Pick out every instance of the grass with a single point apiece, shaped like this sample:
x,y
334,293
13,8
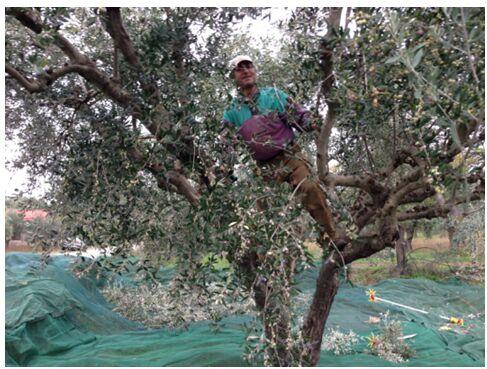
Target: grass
x,y
430,258
368,274
435,263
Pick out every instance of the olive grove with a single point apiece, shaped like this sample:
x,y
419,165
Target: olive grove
x,y
120,110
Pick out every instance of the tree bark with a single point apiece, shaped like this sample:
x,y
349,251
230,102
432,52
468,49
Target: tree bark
x,y
314,325
326,66
454,215
403,247
409,237
277,323
401,253
273,306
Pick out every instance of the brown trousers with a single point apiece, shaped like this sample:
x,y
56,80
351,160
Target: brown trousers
x,y
292,166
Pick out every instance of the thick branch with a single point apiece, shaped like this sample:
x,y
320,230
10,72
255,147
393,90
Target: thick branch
x,y
80,64
116,29
184,187
402,156
90,73
33,22
28,84
322,145
83,66
439,210
27,18
418,195
427,213
326,64
366,182
429,191
71,51
104,83
397,196
362,248
166,178
40,83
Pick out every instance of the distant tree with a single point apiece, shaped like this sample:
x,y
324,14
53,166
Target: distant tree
x,y
45,234
21,202
14,226
403,247
469,228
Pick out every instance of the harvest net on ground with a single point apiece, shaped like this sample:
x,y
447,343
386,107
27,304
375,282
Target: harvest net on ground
x,y
53,318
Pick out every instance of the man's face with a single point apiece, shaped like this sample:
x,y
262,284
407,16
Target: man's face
x,y
245,74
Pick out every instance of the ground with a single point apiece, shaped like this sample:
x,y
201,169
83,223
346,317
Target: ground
x,y
430,258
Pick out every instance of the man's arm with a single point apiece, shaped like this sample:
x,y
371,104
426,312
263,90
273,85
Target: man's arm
x,y
295,114
299,117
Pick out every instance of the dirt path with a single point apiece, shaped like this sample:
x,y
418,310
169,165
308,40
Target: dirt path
x,y
437,243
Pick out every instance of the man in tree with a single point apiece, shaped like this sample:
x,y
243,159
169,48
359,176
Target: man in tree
x,y
265,118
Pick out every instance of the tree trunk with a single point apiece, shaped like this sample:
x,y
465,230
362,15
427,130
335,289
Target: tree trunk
x,y
403,247
273,304
17,234
473,249
451,237
409,237
314,325
274,308
401,253
453,219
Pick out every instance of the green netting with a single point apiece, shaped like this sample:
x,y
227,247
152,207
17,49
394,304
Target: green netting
x,y
55,319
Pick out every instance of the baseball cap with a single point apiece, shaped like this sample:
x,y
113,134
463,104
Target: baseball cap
x,y
238,59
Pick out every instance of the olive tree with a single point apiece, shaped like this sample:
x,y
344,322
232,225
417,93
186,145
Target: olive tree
x,y
408,101
121,109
